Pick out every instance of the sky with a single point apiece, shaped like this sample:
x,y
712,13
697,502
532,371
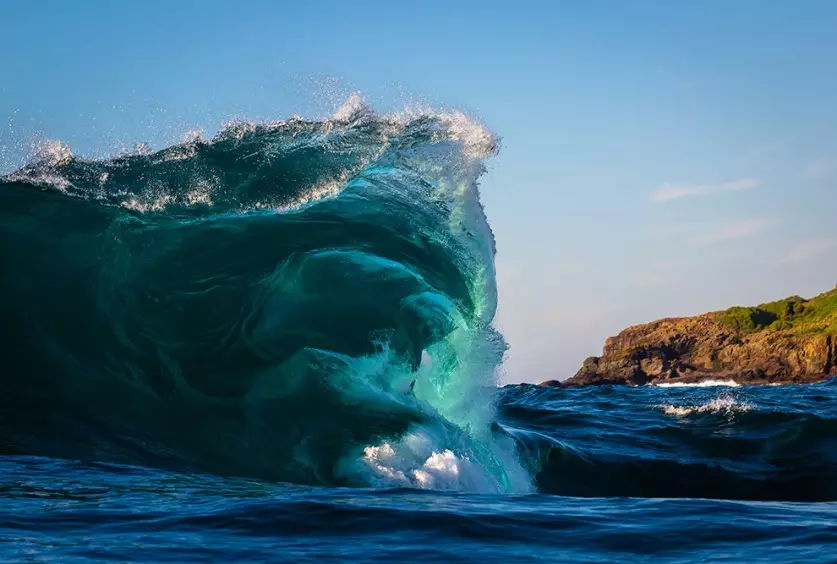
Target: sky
x,y
658,158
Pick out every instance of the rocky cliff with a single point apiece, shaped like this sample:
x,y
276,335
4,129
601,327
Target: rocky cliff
x,y
789,341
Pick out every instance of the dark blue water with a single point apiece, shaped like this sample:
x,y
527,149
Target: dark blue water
x,y
775,446
278,344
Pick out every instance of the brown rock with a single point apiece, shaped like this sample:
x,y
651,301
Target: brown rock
x,y
795,347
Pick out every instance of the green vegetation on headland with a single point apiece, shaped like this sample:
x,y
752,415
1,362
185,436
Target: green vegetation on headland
x,y
817,315
787,341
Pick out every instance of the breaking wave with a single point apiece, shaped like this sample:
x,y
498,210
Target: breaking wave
x,y
305,301
723,404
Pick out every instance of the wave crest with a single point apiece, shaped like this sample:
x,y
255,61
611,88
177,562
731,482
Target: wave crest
x,y
724,405
268,302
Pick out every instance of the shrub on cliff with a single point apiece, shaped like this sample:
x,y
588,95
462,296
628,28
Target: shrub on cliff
x,y
816,315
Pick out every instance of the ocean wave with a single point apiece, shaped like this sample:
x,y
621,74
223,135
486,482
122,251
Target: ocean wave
x,y
278,301
402,466
726,405
753,443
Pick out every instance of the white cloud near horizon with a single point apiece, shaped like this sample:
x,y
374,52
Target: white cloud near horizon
x,y
808,251
670,192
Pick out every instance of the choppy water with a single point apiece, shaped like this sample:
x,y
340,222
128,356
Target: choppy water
x,y
277,344
668,475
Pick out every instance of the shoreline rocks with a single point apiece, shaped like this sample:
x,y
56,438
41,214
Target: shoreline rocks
x,y
792,341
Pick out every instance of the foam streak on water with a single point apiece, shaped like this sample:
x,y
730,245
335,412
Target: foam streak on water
x,y
701,384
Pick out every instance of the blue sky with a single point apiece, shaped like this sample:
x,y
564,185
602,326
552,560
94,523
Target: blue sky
x,y
659,158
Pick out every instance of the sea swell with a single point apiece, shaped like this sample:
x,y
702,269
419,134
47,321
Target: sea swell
x,y
758,443
304,301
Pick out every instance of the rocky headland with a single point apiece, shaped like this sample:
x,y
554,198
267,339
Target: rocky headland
x,y
790,341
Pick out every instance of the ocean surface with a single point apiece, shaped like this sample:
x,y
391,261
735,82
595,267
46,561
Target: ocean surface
x,y
277,344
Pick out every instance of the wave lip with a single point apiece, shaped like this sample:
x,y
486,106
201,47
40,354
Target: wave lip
x,y
269,302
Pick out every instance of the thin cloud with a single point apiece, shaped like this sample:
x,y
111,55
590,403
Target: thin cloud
x,y
712,233
660,273
769,148
667,193
670,192
820,169
808,251
743,184
652,281
733,231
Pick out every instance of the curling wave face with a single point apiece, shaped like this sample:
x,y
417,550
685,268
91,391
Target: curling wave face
x,y
307,301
